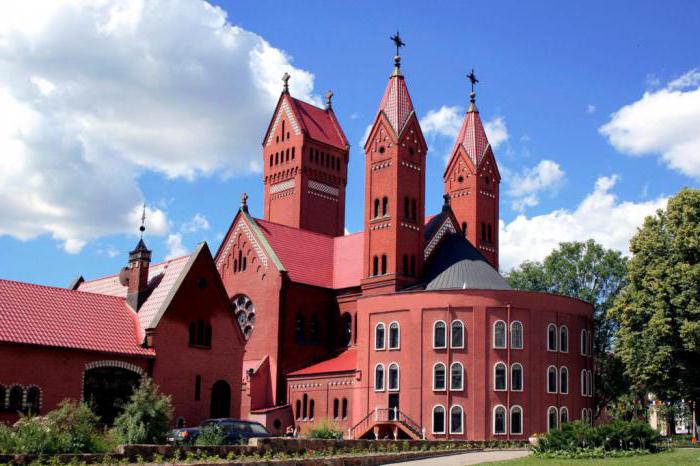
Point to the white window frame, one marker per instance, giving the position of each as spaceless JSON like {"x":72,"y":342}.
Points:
{"x":461,"y":412}
{"x":457,"y":321}
{"x":583,"y":382}
{"x":556,"y":338}
{"x":584,"y":412}
{"x":582,"y":343}
{"x":556,"y":379}
{"x":398,"y":377}
{"x":590,"y":342}
{"x":444,"y":420}
{"x":461,"y":385}
{"x":376,"y":327}
{"x":505,"y":420}
{"x":549,"y":410}
{"x":505,"y":335}
{"x":444,"y":367}
{"x":435,"y":324}
{"x":566,"y":330}
{"x":398,"y":329}
{"x":522,"y":335}
{"x":374,"y":375}
{"x":590,"y":383}
{"x":563,"y":410}
{"x":563,"y":369}
{"x":510,"y":420}
{"x":522,"y":377}
{"x":494,"y":376}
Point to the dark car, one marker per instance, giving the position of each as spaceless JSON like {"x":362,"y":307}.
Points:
{"x":233,"y":431}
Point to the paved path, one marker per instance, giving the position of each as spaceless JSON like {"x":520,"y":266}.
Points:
{"x":464,"y":459}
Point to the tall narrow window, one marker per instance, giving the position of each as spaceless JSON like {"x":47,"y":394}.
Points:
{"x":336,"y":408}
{"x":499,"y":420}
{"x":197,"y":388}
{"x":438,"y":419}
{"x":292,"y":153}
{"x":516,"y":420}
{"x":207,"y":336}
{"x":563,"y":380}
{"x":457,"y":334}
{"x":552,"y":418}
{"x":347,"y":327}
{"x":311,"y":409}
{"x":552,"y":337}
{"x":375,"y":265}
{"x":305,"y":407}
{"x":394,"y":335}
{"x":499,"y":377}
{"x":33,"y":401}
{"x":516,"y":377}
{"x":379,"y":331}
{"x":3,"y":393}
{"x":383,"y":264}
{"x":439,"y":337}
{"x":283,"y":130}
{"x":439,"y":377}
{"x":193,"y":334}
{"x":393,"y":376}
{"x":563,"y":415}
{"x":583,"y":382}
{"x":516,"y":335}
{"x":406,"y":213}
{"x":414,"y":209}
{"x":379,"y":378}
{"x":551,"y":379}
{"x":456,"y":376}
{"x":385,"y":206}
{"x":15,"y":398}
{"x":314,"y":338}
{"x":200,"y":332}
{"x":499,"y":334}
{"x":490,"y":238}
{"x":563,"y":339}
{"x":590,"y":383}
{"x":456,"y":420}
{"x":345,"y":408}
{"x":298,"y":410}
{"x":376,"y":208}
{"x":483,"y":231}
{"x":270,"y":159}
{"x":299,"y":329}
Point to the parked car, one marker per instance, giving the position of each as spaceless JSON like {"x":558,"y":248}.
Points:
{"x":233,"y":431}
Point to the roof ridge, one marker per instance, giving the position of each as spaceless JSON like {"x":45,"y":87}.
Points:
{"x":153,"y":264}
{"x":295,"y":228}
{"x":62,"y":289}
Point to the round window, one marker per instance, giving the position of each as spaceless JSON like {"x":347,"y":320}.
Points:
{"x":381,"y":149}
{"x":244,"y":310}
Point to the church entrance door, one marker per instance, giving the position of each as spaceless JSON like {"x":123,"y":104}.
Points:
{"x":220,"y":399}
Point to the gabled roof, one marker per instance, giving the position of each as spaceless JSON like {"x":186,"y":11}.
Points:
{"x":344,"y":361}
{"x":396,"y":103}
{"x":472,"y":137}
{"x":58,"y":317}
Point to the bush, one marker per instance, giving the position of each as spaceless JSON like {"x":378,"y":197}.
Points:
{"x":146,"y":417}
{"x":211,"y":434}
{"x":324,"y":428}
{"x":615,"y":435}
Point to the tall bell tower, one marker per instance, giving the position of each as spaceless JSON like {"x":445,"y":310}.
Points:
{"x":472,"y":180}
{"x":394,"y":190}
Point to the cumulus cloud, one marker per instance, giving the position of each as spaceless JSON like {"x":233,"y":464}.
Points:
{"x":600,"y":216}
{"x":526,"y":186}
{"x":447,"y":121}
{"x":198,"y":223}
{"x":95,"y":93}
{"x":663,"y":122}
{"x":175,"y":247}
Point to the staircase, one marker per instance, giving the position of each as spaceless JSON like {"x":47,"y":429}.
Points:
{"x":386,"y":417}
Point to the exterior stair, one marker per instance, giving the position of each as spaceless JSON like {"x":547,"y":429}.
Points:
{"x":388,"y":417}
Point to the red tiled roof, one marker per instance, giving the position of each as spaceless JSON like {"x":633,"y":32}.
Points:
{"x":345,"y":361}
{"x":319,"y":124}
{"x":58,"y":317}
{"x":473,"y":137}
{"x":396,"y":103}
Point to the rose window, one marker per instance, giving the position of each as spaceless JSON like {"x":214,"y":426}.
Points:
{"x":244,"y":310}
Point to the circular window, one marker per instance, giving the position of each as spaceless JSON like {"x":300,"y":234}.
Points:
{"x":277,"y":423}
{"x":460,"y":179}
{"x":244,"y":311}
{"x":381,"y":149}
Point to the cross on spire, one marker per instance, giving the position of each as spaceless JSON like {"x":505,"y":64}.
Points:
{"x":472,"y":95}
{"x":285,"y":80}
{"x":329,"y":96}
{"x":396,"y":39}
{"x":142,"y":228}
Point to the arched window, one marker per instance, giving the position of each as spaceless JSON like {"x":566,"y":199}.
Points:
{"x":347,"y":327}
{"x":193,"y":334}
{"x":180,"y":423}
{"x":394,"y":335}
{"x":516,"y":377}
{"x":563,"y":380}
{"x":15,"y":398}
{"x":457,"y":334}
{"x":385,"y":206}
{"x":270,"y":159}
{"x":414,"y":209}
{"x":298,"y":410}
{"x":376,"y":208}
{"x":499,"y":334}
{"x":439,"y":335}
{"x":583,"y":342}
{"x":499,"y":420}
{"x":345,"y":408}
{"x":311,"y":409}
{"x":516,"y":335}
{"x":375,"y":265}
{"x":379,"y":332}
{"x":33,"y":402}
{"x":299,"y":329}
{"x":207,"y":336}
{"x":516,"y":420}
{"x":456,"y":376}
{"x":3,"y":394}
{"x":379,"y":378}
{"x":406,"y":213}
{"x":439,"y":376}
{"x":244,"y":310}
{"x":499,"y":377}
{"x":336,"y":408}
{"x":563,"y":415}
{"x":314,"y":338}
{"x":200,"y":332}
{"x":483,"y":231}
{"x":583,"y":382}
{"x":490,"y":238}
{"x":590,"y":383}
{"x":551,"y":379}
{"x":283,"y":129}
{"x":456,"y":420}
{"x":383,"y":264}
{"x":197,"y":387}
{"x":292,"y":153}
{"x":393,"y":376}
{"x":583,"y":416}
{"x":438,"y":419}
{"x":277,"y":158}
{"x":286,"y":155}
{"x":564,"y":339}
{"x":551,"y":337}
{"x":552,"y":418}
{"x":305,"y":407}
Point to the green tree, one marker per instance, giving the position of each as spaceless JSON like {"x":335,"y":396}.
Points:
{"x":146,"y":417}
{"x":659,"y":309}
{"x":587,"y":271}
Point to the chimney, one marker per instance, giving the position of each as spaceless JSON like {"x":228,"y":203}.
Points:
{"x":137,"y":273}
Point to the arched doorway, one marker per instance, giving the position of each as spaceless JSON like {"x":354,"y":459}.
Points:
{"x":220,"y":399}
{"x":107,"y":389}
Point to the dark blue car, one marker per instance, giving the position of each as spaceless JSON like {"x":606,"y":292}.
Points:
{"x":233,"y":431}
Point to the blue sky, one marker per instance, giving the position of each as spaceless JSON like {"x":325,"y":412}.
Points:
{"x":593,"y":108}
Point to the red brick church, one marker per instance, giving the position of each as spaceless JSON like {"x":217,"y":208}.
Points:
{"x":404,"y":329}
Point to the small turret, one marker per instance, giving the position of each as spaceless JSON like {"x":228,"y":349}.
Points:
{"x":135,"y":276}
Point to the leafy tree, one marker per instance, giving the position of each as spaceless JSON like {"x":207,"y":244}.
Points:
{"x":587,"y":271}
{"x":659,"y":309}
{"x":146,"y":417}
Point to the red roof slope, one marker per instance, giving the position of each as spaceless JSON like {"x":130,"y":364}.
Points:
{"x":345,"y":361}
{"x":319,"y":124}
{"x":396,"y":102}
{"x":472,"y":137}
{"x":48,"y":316}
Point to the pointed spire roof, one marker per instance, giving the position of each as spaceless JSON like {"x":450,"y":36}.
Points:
{"x":396,"y":103}
{"x":472,"y":135}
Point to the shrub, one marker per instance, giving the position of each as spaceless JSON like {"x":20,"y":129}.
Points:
{"x":211,"y":434}
{"x":615,"y":435}
{"x":324,"y":428}
{"x":146,"y":417}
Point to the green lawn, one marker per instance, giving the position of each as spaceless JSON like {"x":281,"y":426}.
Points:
{"x":679,"y":456}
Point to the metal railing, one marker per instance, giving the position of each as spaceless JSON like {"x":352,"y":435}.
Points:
{"x":378,"y":415}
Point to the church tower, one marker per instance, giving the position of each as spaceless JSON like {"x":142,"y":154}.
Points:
{"x":471,"y":180}
{"x":305,"y":159}
{"x":394,"y":190}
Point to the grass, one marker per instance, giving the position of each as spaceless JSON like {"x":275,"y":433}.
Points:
{"x":685,"y":456}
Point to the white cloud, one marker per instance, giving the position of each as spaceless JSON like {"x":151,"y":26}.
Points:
{"x":95,"y":93}
{"x":600,"y":216}
{"x":175,"y":246}
{"x":496,"y":131}
{"x":590,"y":108}
{"x":199,"y":222}
{"x":663,"y":122}
{"x":447,"y":121}
{"x":525,"y":187}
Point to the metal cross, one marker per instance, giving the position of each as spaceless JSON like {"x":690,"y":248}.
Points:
{"x":472,"y":78}
{"x":397,"y":41}
{"x":285,"y":80}
{"x":142,"y":228}
{"x":329,"y":96}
